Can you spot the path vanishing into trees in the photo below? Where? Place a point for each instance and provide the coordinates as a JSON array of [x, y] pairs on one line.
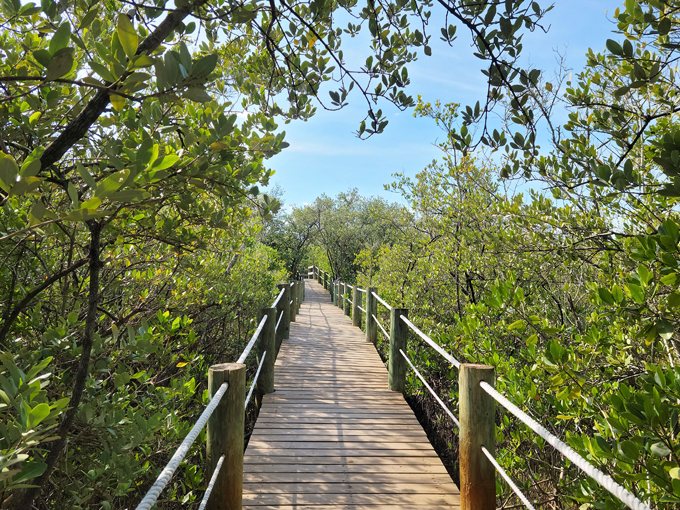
[[332, 434]]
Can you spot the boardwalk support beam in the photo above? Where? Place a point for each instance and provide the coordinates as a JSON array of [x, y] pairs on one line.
[[347, 306], [225, 435], [477, 474], [397, 363]]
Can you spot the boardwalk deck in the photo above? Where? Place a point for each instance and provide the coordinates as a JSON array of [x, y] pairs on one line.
[[332, 436]]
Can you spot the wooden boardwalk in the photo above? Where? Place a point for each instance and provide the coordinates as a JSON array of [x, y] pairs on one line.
[[332, 436]]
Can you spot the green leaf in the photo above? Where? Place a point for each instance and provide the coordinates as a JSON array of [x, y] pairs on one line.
[[102, 71], [205, 65], [111, 184], [129, 195], [243, 16], [88, 18], [606, 296], [31, 470], [143, 61], [73, 195], [617, 293], [60, 38], [127, 35], [518, 325], [669, 279], [61, 64], [8, 172], [665, 329], [165, 162], [660, 450], [72, 318], [674, 300], [197, 94], [38, 414], [621, 91], [85, 175], [635, 292], [85, 214], [36, 214], [614, 47], [629, 449], [428, 51], [43, 57], [664, 26]]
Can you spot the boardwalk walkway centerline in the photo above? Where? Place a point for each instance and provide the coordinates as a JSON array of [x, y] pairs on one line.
[[332, 435]]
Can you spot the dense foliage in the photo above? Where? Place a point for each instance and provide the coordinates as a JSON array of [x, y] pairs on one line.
[[130, 167]]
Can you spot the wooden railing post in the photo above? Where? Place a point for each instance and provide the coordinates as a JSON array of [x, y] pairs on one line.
[[267, 344], [477, 429], [325, 280], [346, 304], [284, 306], [396, 362], [356, 302], [225, 435], [371, 310], [336, 293], [341, 296], [293, 298]]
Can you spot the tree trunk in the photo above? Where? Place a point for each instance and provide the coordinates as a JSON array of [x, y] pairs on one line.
[[25, 499]]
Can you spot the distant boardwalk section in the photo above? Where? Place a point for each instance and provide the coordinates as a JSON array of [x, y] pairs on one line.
[[332, 435]]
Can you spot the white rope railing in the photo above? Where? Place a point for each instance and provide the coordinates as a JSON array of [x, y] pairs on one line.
[[434, 345], [349, 300], [381, 301], [278, 298], [213, 480], [361, 290], [169, 470], [604, 480], [246, 351], [361, 309], [278, 322], [380, 326], [257, 374], [350, 286], [505, 476], [439, 400]]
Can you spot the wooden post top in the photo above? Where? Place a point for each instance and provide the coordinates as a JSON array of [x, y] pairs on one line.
[[476, 366], [224, 367]]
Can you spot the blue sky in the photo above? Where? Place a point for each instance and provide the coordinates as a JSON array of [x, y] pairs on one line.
[[326, 157]]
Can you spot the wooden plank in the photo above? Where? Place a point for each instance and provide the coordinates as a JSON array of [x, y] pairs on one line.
[[341, 452], [348, 460], [332, 436], [334, 445], [347, 478], [251, 499], [340, 426], [389, 468], [346, 488], [349, 507]]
